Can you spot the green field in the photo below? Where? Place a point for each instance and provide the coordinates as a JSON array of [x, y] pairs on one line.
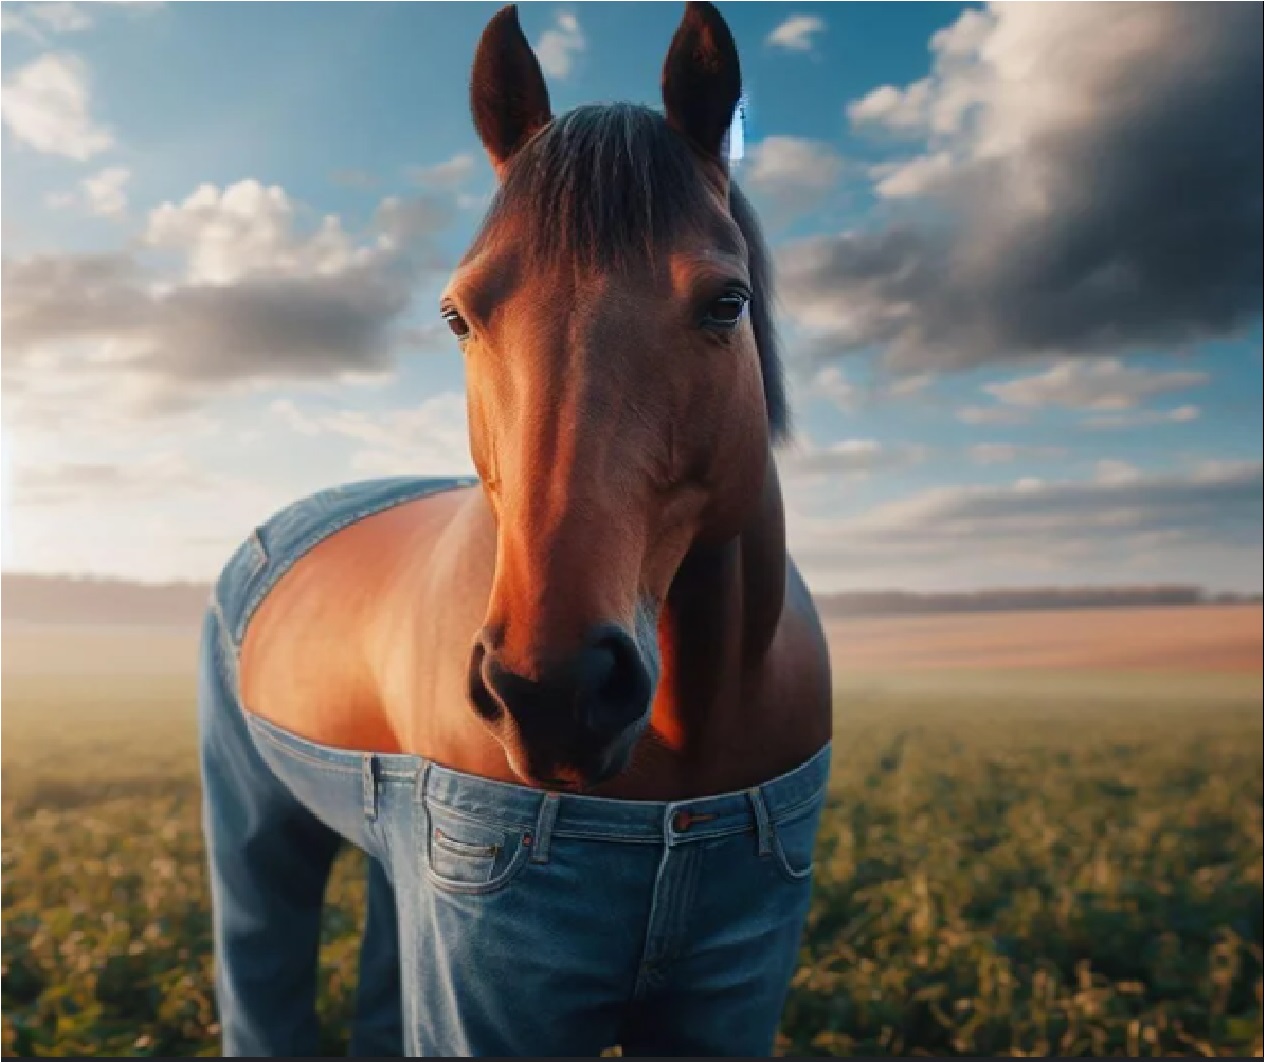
[[1013, 863]]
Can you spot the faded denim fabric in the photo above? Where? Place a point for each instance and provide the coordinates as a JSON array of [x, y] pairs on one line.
[[502, 920]]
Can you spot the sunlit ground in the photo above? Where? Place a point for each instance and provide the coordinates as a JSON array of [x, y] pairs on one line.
[[1027, 861]]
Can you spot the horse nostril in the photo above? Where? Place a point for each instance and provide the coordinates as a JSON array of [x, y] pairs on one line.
[[480, 694], [614, 684]]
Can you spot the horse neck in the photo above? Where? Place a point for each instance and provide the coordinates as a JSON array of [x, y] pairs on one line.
[[724, 607]]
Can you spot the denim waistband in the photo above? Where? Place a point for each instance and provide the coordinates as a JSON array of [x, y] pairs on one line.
[[575, 815]]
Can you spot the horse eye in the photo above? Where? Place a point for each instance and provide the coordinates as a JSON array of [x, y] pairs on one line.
[[727, 310], [457, 323]]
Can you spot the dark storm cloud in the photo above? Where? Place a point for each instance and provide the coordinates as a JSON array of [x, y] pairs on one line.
[[1092, 184]]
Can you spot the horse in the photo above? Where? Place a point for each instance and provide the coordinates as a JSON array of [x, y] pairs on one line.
[[576, 709]]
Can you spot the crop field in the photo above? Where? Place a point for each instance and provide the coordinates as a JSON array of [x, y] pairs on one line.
[[1044, 859]]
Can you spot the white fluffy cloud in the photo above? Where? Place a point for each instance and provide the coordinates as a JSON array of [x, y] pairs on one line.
[[559, 46], [792, 173], [254, 292], [103, 194], [249, 230], [106, 192], [796, 33], [47, 106]]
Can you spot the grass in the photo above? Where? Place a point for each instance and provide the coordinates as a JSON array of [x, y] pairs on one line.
[[1012, 864]]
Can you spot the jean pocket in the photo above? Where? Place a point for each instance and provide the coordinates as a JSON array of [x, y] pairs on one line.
[[464, 855], [794, 842]]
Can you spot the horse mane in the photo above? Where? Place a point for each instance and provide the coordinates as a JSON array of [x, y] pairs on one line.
[[613, 183]]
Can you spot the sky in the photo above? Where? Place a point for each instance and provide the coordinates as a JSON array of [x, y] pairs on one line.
[[1018, 250]]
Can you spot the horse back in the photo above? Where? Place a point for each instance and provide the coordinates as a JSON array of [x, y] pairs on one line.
[[301, 601]]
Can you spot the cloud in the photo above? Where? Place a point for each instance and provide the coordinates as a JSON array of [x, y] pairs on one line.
[[1007, 453], [242, 230], [37, 20], [991, 415], [831, 383], [793, 173], [255, 295], [895, 109], [1142, 418], [46, 106], [559, 46], [144, 479], [914, 177], [103, 194], [106, 192], [796, 33], [851, 458], [1102, 385], [1085, 180], [1111, 470], [1207, 519], [450, 174], [431, 439]]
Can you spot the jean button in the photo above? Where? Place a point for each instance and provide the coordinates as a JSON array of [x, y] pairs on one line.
[[681, 821]]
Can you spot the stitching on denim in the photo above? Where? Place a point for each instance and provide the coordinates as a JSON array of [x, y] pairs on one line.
[[290, 744], [779, 855], [298, 754], [783, 864], [225, 655], [764, 828], [512, 871], [369, 786], [544, 827], [260, 552], [791, 809], [477, 820], [598, 835]]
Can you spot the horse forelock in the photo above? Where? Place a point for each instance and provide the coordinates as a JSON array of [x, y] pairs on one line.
[[608, 186]]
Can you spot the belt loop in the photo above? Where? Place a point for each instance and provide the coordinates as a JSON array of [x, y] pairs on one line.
[[544, 828], [763, 824], [419, 789], [368, 778]]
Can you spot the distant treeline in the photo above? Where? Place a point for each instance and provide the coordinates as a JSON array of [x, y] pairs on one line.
[[64, 600], [900, 602]]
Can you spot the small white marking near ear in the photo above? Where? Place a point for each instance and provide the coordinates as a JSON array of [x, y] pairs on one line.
[[737, 132]]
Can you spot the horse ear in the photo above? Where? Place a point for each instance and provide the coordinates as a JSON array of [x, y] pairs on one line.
[[508, 96], [702, 79]]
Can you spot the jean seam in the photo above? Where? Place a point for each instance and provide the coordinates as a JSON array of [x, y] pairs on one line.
[[791, 874], [478, 820], [789, 812], [282, 746]]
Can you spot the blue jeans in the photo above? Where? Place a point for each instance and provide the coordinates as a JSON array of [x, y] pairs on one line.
[[501, 920]]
